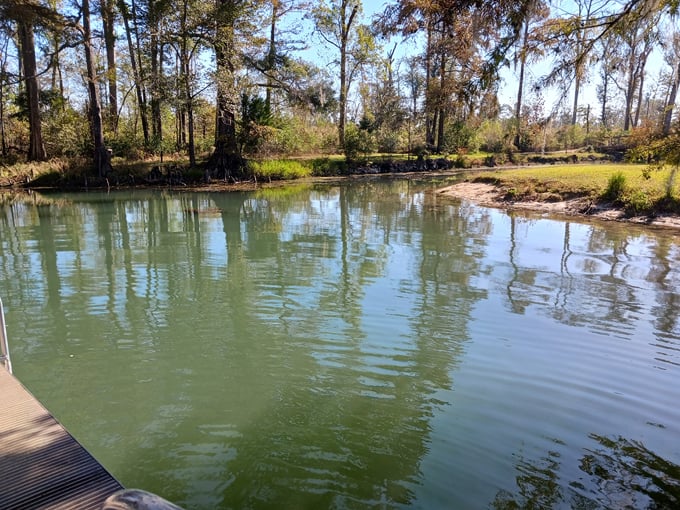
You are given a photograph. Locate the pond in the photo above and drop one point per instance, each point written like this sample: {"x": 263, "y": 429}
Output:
{"x": 359, "y": 345}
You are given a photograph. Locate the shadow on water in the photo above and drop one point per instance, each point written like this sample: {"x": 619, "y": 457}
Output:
{"x": 614, "y": 473}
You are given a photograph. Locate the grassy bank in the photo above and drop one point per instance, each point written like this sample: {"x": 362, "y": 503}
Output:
{"x": 638, "y": 189}
{"x": 77, "y": 172}
{"x": 69, "y": 173}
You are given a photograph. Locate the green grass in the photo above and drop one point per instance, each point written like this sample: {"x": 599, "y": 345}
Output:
{"x": 659, "y": 192}
{"x": 279, "y": 169}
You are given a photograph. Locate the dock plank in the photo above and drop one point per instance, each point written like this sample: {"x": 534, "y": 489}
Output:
{"x": 41, "y": 465}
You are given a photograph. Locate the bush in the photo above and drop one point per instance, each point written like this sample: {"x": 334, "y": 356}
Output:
{"x": 459, "y": 135}
{"x": 324, "y": 167}
{"x": 462, "y": 162}
{"x": 66, "y": 133}
{"x": 615, "y": 187}
{"x": 495, "y": 160}
{"x": 638, "y": 202}
{"x": 491, "y": 136}
{"x": 389, "y": 142}
{"x": 358, "y": 142}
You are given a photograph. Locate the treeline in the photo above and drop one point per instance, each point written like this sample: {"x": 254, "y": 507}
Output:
{"x": 223, "y": 80}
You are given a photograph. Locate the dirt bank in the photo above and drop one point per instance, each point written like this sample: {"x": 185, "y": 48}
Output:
{"x": 492, "y": 196}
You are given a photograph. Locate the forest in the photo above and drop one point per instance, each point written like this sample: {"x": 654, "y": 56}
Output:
{"x": 222, "y": 85}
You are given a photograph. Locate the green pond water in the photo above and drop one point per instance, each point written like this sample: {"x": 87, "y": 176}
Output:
{"x": 364, "y": 345}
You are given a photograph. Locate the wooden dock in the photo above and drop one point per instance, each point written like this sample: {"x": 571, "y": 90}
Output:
{"x": 41, "y": 465}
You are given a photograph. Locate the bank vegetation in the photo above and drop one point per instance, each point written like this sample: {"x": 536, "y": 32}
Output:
{"x": 635, "y": 189}
{"x": 175, "y": 92}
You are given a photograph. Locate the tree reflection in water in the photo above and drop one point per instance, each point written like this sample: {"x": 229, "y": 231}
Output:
{"x": 622, "y": 473}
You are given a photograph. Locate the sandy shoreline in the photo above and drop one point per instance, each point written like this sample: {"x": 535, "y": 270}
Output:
{"x": 489, "y": 195}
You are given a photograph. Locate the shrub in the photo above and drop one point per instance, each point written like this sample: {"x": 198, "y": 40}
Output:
{"x": 323, "y": 167}
{"x": 615, "y": 187}
{"x": 388, "y": 141}
{"x": 638, "y": 202}
{"x": 458, "y": 135}
{"x": 461, "y": 162}
{"x": 491, "y": 136}
{"x": 358, "y": 142}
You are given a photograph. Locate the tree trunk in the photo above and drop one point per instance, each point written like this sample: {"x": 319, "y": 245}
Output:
{"x": 102, "y": 158}
{"x": 670, "y": 104}
{"x": 143, "y": 75}
{"x": 520, "y": 85}
{"x": 605, "y": 92}
{"x": 141, "y": 101}
{"x": 3, "y": 140}
{"x": 630, "y": 96}
{"x": 440, "y": 104}
{"x": 108, "y": 26}
{"x": 344, "y": 41}
{"x": 156, "y": 72}
{"x": 271, "y": 55}
{"x": 638, "y": 107}
{"x": 429, "y": 108}
{"x": 226, "y": 162}
{"x": 36, "y": 147}
{"x": 577, "y": 90}
{"x": 185, "y": 70}
{"x": 342, "y": 99}
{"x": 57, "y": 82}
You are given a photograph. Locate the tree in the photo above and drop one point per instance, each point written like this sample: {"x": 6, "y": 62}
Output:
{"x": 608, "y": 55}
{"x": 313, "y": 93}
{"x": 102, "y": 159}
{"x": 336, "y": 23}
{"x": 26, "y": 14}
{"x": 149, "y": 17}
{"x": 255, "y": 119}
{"x": 276, "y": 57}
{"x": 466, "y": 43}
{"x": 108, "y": 28}
{"x": 585, "y": 9}
{"x": 135, "y": 63}
{"x": 226, "y": 161}
{"x": 56, "y": 39}
{"x": 386, "y": 105}
{"x": 673, "y": 58}
{"x": 638, "y": 37}
{"x": 531, "y": 46}
{"x": 187, "y": 35}
{"x": 631, "y": 24}
{"x": 4, "y": 82}
{"x": 415, "y": 82}
{"x": 36, "y": 148}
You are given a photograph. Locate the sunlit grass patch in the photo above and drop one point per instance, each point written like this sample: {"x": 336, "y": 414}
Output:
{"x": 278, "y": 169}
{"x": 638, "y": 189}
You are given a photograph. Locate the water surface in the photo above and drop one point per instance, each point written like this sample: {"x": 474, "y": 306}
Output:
{"x": 371, "y": 345}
